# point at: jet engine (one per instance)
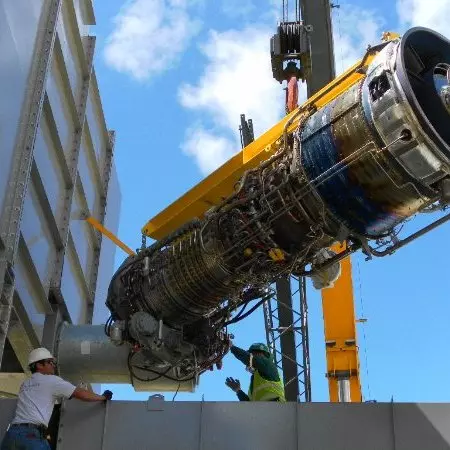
(352, 170)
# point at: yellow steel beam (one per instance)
(215, 187)
(97, 225)
(389, 35)
(220, 184)
(340, 332)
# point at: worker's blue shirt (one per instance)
(264, 365)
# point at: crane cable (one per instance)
(336, 6)
(285, 14)
(363, 330)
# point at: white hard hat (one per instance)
(38, 354)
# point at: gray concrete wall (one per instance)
(246, 426)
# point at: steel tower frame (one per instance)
(287, 326)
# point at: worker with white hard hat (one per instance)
(37, 397)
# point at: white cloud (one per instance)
(354, 29)
(208, 149)
(237, 79)
(253, 11)
(236, 8)
(149, 36)
(433, 14)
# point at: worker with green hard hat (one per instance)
(265, 383)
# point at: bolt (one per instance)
(406, 135)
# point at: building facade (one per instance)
(56, 169)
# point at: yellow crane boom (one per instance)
(340, 336)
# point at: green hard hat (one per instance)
(259, 347)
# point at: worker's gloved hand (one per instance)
(229, 344)
(108, 395)
(233, 384)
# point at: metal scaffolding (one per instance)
(286, 320)
(287, 326)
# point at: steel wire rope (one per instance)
(363, 329)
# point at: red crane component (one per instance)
(291, 94)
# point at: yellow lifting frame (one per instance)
(340, 333)
(220, 184)
(98, 226)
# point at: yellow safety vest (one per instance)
(263, 390)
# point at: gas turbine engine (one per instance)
(352, 168)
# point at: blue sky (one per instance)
(174, 76)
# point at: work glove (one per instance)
(233, 384)
(229, 343)
(108, 395)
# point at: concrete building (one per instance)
(56, 168)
